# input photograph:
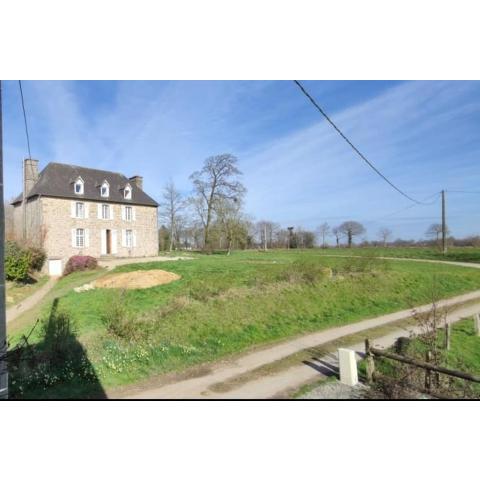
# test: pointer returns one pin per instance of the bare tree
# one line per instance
(351, 229)
(338, 234)
(217, 180)
(231, 221)
(384, 234)
(170, 208)
(435, 230)
(324, 231)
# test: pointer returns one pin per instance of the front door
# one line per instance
(109, 242)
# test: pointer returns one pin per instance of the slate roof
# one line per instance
(57, 179)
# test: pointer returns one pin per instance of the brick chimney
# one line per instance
(30, 174)
(138, 181)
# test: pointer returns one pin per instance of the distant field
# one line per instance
(223, 305)
(454, 254)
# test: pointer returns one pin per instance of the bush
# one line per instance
(367, 264)
(306, 271)
(17, 262)
(37, 258)
(118, 321)
(79, 263)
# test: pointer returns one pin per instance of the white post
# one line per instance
(348, 367)
(477, 324)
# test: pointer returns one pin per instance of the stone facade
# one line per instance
(51, 223)
(60, 226)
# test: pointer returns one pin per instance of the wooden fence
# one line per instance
(372, 352)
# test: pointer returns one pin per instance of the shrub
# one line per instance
(306, 271)
(17, 262)
(37, 258)
(367, 264)
(118, 321)
(79, 263)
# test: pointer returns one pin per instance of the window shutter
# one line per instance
(87, 238)
(111, 212)
(134, 235)
(133, 213)
(72, 209)
(123, 212)
(85, 208)
(124, 239)
(99, 210)
(73, 238)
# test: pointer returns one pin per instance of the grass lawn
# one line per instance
(223, 305)
(454, 254)
(16, 292)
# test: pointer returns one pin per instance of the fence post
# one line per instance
(370, 361)
(476, 320)
(428, 372)
(448, 335)
(348, 367)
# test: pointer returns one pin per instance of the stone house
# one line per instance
(70, 210)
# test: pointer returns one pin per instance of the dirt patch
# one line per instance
(138, 279)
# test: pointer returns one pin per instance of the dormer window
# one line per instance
(127, 192)
(105, 189)
(78, 186)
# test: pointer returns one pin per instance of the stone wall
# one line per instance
(34, 229)
(58, 224)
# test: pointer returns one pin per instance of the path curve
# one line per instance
(116, 262)
(26, 304)
(421, 260)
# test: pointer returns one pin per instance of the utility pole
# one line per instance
(3, 320)
(444, 225)
(290, 231)
(265, 236)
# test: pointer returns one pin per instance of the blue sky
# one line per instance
(424, 136)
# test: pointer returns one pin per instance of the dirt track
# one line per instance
(273, 385)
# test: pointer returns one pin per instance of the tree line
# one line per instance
(213, 217)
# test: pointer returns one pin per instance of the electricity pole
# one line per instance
(290, 231)
(3, 320)
(265, 236)
(444, 225)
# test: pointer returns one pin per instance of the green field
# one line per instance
(222, 305)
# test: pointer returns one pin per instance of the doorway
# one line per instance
(109, 241)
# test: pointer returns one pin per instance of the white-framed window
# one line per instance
(106, 211)
(128, 214)
(127, 192)
(80, 237)
(105, 189)
(78, 186)
(129, 238)
(79, 210)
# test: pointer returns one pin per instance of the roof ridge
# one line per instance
(86, 168)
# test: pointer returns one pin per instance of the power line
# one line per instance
(360, 154)
(25, 119)
(423, 203)
(462, 191)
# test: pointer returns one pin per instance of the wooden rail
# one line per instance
(372, 352)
